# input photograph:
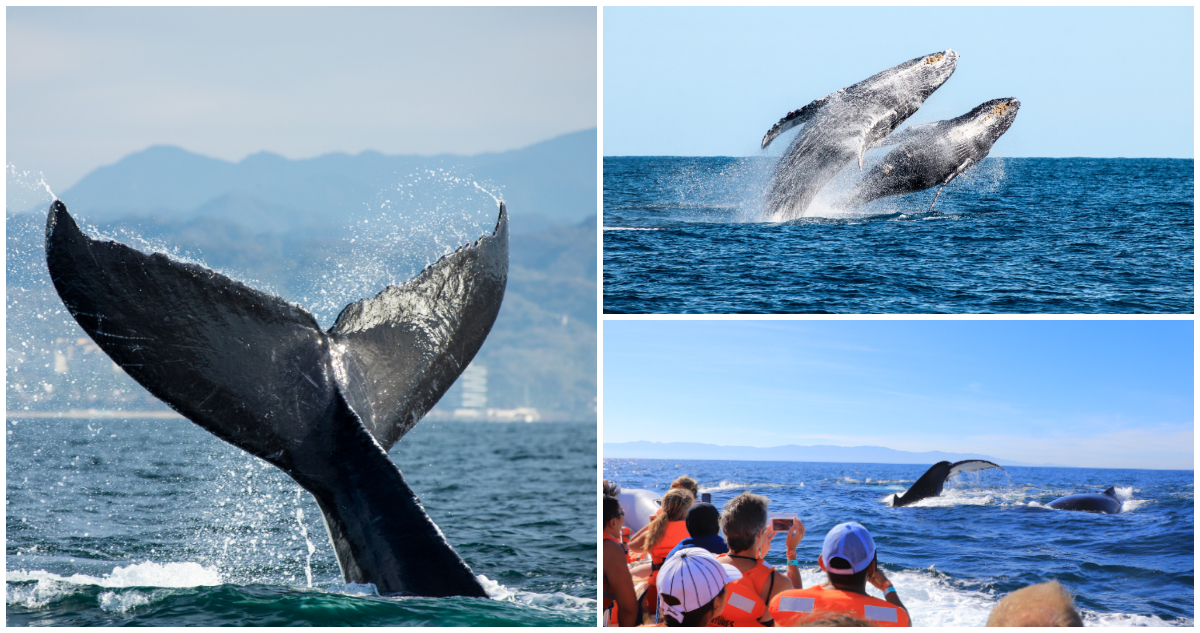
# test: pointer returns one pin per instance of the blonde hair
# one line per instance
(687, 483)
(1045, 604)
(675, 505)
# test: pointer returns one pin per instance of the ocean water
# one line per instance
(155, 522)
(1013, 235)
(953, 557)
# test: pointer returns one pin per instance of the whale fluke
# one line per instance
(324, 407)
(930, 484)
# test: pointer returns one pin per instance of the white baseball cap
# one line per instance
(851, 542)
(694, 577)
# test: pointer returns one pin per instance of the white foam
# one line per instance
(731, 485)
(1131, 619)
(556, 601)
(37, 595)
(126, 601)
(355, 589)
(139, 575)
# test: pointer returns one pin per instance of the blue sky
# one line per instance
(87, 86)
(1092, 81)
(1097, 394)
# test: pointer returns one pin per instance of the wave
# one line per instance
(138, 575)
(729, 485)
(38, 588)
(1008, 497)
(556, 601)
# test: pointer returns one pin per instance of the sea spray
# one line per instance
(308, 542)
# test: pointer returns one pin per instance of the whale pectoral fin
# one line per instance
(244, 365)
(399, 351)
(1112, 491)
(794, 118)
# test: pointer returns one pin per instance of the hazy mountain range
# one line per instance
(552, 183)
(791, 453)
(282, 226)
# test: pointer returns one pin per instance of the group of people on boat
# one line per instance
(700, 566)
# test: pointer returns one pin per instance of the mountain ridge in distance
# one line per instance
(547, 184)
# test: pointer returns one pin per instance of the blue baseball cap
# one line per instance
(850, 542)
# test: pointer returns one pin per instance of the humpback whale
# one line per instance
(322, 406)
(1106, 502)
(934, 153)
(842, 126)
(930, 484)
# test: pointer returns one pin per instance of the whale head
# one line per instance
(927, 73)
(995, 116)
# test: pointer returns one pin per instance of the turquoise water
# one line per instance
(158, 523)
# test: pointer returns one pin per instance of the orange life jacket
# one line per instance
(796, 606)
(744, 604)
(610, 598)
(627, 534)
(676, 531)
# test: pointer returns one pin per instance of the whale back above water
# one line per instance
(1106, 502)
(931, 483)
(324, 407)
(842, 126)
(934, 153)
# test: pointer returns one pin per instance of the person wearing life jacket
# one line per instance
(680, 482)
(848, 557)
(612, 489)
(703, 525)
(664, 533)
(692, 588)
(620, 599)
(748, 531)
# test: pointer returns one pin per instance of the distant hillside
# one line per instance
(790, 453)
(541, 351)
(552, 183)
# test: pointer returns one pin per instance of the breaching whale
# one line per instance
(323, 406)
(930, 484)
(844, 125)
(1106, 502)
(935, 153)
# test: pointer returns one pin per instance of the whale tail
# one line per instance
(324, 407)
(931, 483)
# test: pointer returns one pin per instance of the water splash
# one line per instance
(308, 542)
(556, 601)
(146, 574)
(23, 190)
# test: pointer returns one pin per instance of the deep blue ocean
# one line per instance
(953, 557)
(1012, 235)
(155, 522)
